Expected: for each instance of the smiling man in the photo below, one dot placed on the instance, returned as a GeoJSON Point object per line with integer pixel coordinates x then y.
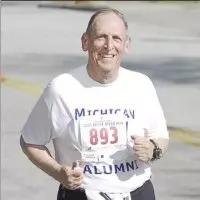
{"type": "Point", "coordinates": [106, 122]}
{"type": "Point", "coordinates": [106, 40]}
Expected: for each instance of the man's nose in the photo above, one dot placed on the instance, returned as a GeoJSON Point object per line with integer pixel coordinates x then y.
{"type": "Point", "coordinates": [109, 43]}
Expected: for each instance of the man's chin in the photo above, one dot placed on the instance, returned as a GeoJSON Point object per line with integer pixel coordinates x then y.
{"type": "Point", "coordinates": [107, 67]}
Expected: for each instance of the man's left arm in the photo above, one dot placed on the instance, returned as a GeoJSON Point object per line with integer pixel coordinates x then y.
{"type": "Point", "coordinates": [162, 143]}
{"type": "Point", "coordinates": [145, 149]}
{"type": "Point", "coordinates": [156, 136]}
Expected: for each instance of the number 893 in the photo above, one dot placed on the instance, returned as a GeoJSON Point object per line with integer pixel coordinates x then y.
{"type": "Point", "coordinates": [103, 136]}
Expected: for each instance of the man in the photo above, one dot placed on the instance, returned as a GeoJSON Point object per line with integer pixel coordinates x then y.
{"type": "Point", "coordinates": [106, 122]}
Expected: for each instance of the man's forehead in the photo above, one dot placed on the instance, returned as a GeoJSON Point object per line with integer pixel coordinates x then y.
{"type": "Point", "coordinates": [108, 20]}
{"type": "Point", "coordinates": [109, 16]}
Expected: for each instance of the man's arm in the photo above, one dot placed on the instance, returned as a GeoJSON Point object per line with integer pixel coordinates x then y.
{"type": "Point", "coordinates": [41, 157]}
{"type": "Point", "coordinates": [162, 143]}
{"type": "Point", "coordinates": [143, 148]}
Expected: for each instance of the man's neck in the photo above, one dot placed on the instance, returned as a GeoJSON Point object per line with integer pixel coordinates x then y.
{"type": "Point", "coordinates": [103, 77]}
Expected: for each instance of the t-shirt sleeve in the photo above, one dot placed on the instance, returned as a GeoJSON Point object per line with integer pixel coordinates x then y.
{"type": "Point", "coordinates": [48, 119]}
{"type": "Point", "coordinates": [156, 118]}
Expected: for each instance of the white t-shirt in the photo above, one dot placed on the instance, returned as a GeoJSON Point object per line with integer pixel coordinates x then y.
{"type": "Point", "coordinates": [71, 101]}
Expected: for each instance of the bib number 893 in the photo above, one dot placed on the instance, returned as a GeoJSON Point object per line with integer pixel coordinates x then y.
{"type": "Point", "coordinates": [103, 136]}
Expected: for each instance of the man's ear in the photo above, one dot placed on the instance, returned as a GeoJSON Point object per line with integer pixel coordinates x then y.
{"type": "Point", "coordinates": [128, 45]}
{"type": "Point", "coordinates": [84, 40]}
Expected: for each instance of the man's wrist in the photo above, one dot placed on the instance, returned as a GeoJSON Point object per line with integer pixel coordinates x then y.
{"type": "Point", "coordinates": [56, 173]}
{"type": "Point", "coordinates": [157, 151]}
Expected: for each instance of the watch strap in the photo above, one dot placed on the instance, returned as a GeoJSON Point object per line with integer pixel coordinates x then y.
{"type": "Point", "coordinates": [153, 142]}
{"type": "Point", "coordinates": [157, 152]}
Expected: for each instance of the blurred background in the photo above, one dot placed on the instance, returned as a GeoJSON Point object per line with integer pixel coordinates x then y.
{"type": "Point", "coordinates": [41, 39]}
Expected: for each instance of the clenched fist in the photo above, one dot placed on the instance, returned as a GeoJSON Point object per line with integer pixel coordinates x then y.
{"type": "Point", "coordinates": [143, 148]}
{"type": "Point", "coordinates": [70, 177]}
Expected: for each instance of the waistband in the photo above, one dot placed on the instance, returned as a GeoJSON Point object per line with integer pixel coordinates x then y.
{"type": "Point", "coordinates": [81, 190]}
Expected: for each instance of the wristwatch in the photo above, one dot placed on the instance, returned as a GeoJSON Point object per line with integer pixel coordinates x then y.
{"type": "Point", "coordinates": [157, 152]}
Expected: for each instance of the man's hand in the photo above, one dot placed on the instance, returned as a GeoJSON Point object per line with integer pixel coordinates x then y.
{"type": "Point", "coordinates": [143, 148]}
{"type": "Point", "coordinates": [71, 178]}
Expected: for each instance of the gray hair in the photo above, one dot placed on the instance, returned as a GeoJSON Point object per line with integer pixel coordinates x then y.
{"type": "Point", "coordinates": [102, 11]}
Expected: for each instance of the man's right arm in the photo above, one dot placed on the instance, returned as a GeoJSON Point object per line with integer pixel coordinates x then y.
{"type": "Point", "coordinates": [39, 130]}
{"type": "Point", "coordinates": [42, 158]}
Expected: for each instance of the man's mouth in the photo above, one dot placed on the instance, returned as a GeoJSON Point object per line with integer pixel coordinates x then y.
{"type": "Point", "coordinates": [108, 56]}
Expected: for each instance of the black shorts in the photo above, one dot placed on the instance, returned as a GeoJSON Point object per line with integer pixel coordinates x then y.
{"type": "Point", "coordinates": [145, 192]}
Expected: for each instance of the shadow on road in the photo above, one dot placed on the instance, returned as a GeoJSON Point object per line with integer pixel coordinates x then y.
{"type": "Point", "coordinates": [176, 70]}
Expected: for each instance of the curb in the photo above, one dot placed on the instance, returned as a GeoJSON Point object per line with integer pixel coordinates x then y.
{"type": "Point", "coordinates": [176, 133]}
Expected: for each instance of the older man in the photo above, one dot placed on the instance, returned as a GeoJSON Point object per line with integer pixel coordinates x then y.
{"type": "Point", "coordinates": [106, 122]}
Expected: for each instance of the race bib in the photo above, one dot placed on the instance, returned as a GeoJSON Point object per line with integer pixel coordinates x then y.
{"type": "Point", "coordinates": [102, 133]}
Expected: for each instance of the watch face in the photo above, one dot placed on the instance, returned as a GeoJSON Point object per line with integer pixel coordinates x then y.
{"type": "Point", "coordinates": [158, 153]}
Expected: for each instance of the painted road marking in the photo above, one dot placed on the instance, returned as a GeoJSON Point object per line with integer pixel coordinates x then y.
{"type": "Point", "coordinates": [192, 134]}
{"type": "Point", "coordinates": [188, 140]}
{"type": "Point", "coordinates": [179, 134]}
{"type": "Point", "coordinates": [23, 86]}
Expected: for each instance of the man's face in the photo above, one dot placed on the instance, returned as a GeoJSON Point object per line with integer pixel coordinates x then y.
{"type": "Point", "coordinates": [106, 43]}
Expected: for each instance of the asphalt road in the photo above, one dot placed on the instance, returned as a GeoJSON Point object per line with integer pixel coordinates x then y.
{"type": "Point", "coordinates": [40, 43]}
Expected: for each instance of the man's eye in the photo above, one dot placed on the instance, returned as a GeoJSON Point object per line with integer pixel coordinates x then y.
{"type": "Point", "coordinates": [101, 36]}
{"type": "Point", "coordinates": [116, 38]}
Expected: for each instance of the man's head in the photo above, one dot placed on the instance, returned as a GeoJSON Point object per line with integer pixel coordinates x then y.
{"type": "Point", "coordinates": [106, 40]}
